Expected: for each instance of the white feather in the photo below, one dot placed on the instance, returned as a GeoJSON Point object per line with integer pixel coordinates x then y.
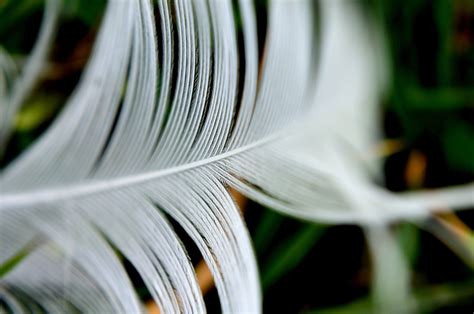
{"type": "Point", "coordinates": [170, 136]}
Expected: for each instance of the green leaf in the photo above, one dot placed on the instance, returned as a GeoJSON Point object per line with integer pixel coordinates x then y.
{"type": "Point", "coordinates": [427, 299]}
{"type": "Point", "coordinates": [11, 263]}
{"type": "Point", "coordinates": [438, 99]}
{"type": "Point", "coordinates": [458, 146]}
{"type": "Point", "coordinates": [290, 253]}
{"type": "Point", "coordinates": [443, 12]}
{"type": "Point", "coordinates": [409, 238]}
{"type": "Point", "coordinates": [87, 11]}
{"type": "Point", "coordinates": [266, 230]}
{"type": "Point", "coordinates": [14, 11]}
{"type": "Point", "coordinates": [37, 111]}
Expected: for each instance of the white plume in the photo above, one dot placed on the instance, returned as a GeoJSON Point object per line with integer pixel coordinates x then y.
{"type": "Point", "coordinates": [159, 126]}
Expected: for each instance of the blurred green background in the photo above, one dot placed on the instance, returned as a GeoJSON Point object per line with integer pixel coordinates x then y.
{"type": "Point", "coordinates": [429, 128]}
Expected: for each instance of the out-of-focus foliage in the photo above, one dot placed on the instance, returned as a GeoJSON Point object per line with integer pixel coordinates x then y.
{"type": "Point", "coordinates": [19, 18]}
{"type": "Point", "coordinates": [432, 97]}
